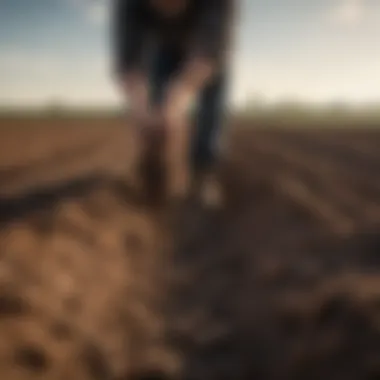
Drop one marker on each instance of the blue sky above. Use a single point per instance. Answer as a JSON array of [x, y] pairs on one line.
[[316, 50]]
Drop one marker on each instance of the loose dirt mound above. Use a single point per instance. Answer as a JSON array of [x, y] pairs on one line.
[[281, 284], [81, 284]]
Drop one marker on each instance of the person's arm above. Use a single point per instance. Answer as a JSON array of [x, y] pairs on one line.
[[207, 53], [128, 41]]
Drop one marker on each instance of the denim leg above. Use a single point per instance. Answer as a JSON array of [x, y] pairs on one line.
[[209, 120]]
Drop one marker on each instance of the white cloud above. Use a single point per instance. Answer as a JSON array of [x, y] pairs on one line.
[[347, 12], [98, 13], [95, 11]]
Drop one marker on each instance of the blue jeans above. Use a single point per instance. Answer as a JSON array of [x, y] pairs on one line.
[[209, 115]]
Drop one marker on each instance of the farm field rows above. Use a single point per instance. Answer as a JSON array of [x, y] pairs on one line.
[[282, 283]]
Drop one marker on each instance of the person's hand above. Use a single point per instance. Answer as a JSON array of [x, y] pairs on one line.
[[147, 120], [142, 117], [183, 90], [176, 105], [134, 87]]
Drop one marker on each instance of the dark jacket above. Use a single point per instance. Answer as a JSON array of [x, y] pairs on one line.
[[202, 29]]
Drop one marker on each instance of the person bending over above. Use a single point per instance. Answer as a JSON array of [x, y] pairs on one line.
[[171, 55]]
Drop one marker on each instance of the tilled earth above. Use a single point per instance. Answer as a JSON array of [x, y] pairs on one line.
[[282, 283]]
